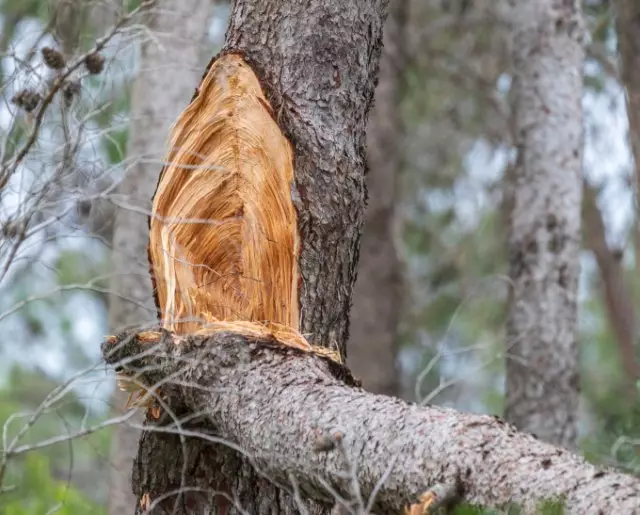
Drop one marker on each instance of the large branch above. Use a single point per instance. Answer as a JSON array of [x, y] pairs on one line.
[[276, 404]]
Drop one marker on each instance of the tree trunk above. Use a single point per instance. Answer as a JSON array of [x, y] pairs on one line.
[[317, 65], [165, 81], [616, 293], [542, 387], [303, 425], [628, 25], [377, 295]]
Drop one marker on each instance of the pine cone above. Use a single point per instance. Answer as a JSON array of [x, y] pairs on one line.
[[94, 63], [52, 58], [70, 90], [10, 229], [84, 208], [27, 99]]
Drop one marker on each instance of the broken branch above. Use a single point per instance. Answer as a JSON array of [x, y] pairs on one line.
[[273, 402]]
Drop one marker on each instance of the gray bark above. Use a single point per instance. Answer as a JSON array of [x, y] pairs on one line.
[[276, 404], [317, 63], [542, 387], [377, 297], [165, 82]]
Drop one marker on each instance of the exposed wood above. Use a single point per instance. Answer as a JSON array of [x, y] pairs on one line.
[[299, 419], [223, 241]]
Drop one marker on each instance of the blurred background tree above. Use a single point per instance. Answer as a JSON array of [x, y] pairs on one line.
[[446, 148]]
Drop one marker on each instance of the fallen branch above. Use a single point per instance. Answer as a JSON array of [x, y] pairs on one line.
[[283, 406]]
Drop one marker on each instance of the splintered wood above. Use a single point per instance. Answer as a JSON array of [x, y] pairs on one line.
[[223, 236]]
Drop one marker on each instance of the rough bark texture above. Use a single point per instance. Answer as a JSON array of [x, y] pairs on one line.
[[377, 295], [276, 404], [544, 238], [166, 81], [628, 25], [318, 63]]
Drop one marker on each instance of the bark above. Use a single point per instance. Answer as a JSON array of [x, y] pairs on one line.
[[616, 294], [317, 64], [542, 386], [628, 27], [377, 295], [387, 446], [166, 80]]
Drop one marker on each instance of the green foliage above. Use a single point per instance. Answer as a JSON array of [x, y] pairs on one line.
[[115, 145], [552, 507], [63, 474], [615, 425], [36, 491], [75, 267], [17, 9], [548, 507], [14, 138]]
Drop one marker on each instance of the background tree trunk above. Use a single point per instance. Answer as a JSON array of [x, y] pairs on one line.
[[317, 64], [616, 294], [166, 80], [377, 298], [628, 24], [544, 236]]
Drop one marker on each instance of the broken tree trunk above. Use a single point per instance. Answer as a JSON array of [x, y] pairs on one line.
[[257, 216], [302, 423]]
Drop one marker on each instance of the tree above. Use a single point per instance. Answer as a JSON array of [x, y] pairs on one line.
[[157, 97], [544, 235], [317, 66], [628, 31], [377, 299], [616, 293]]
